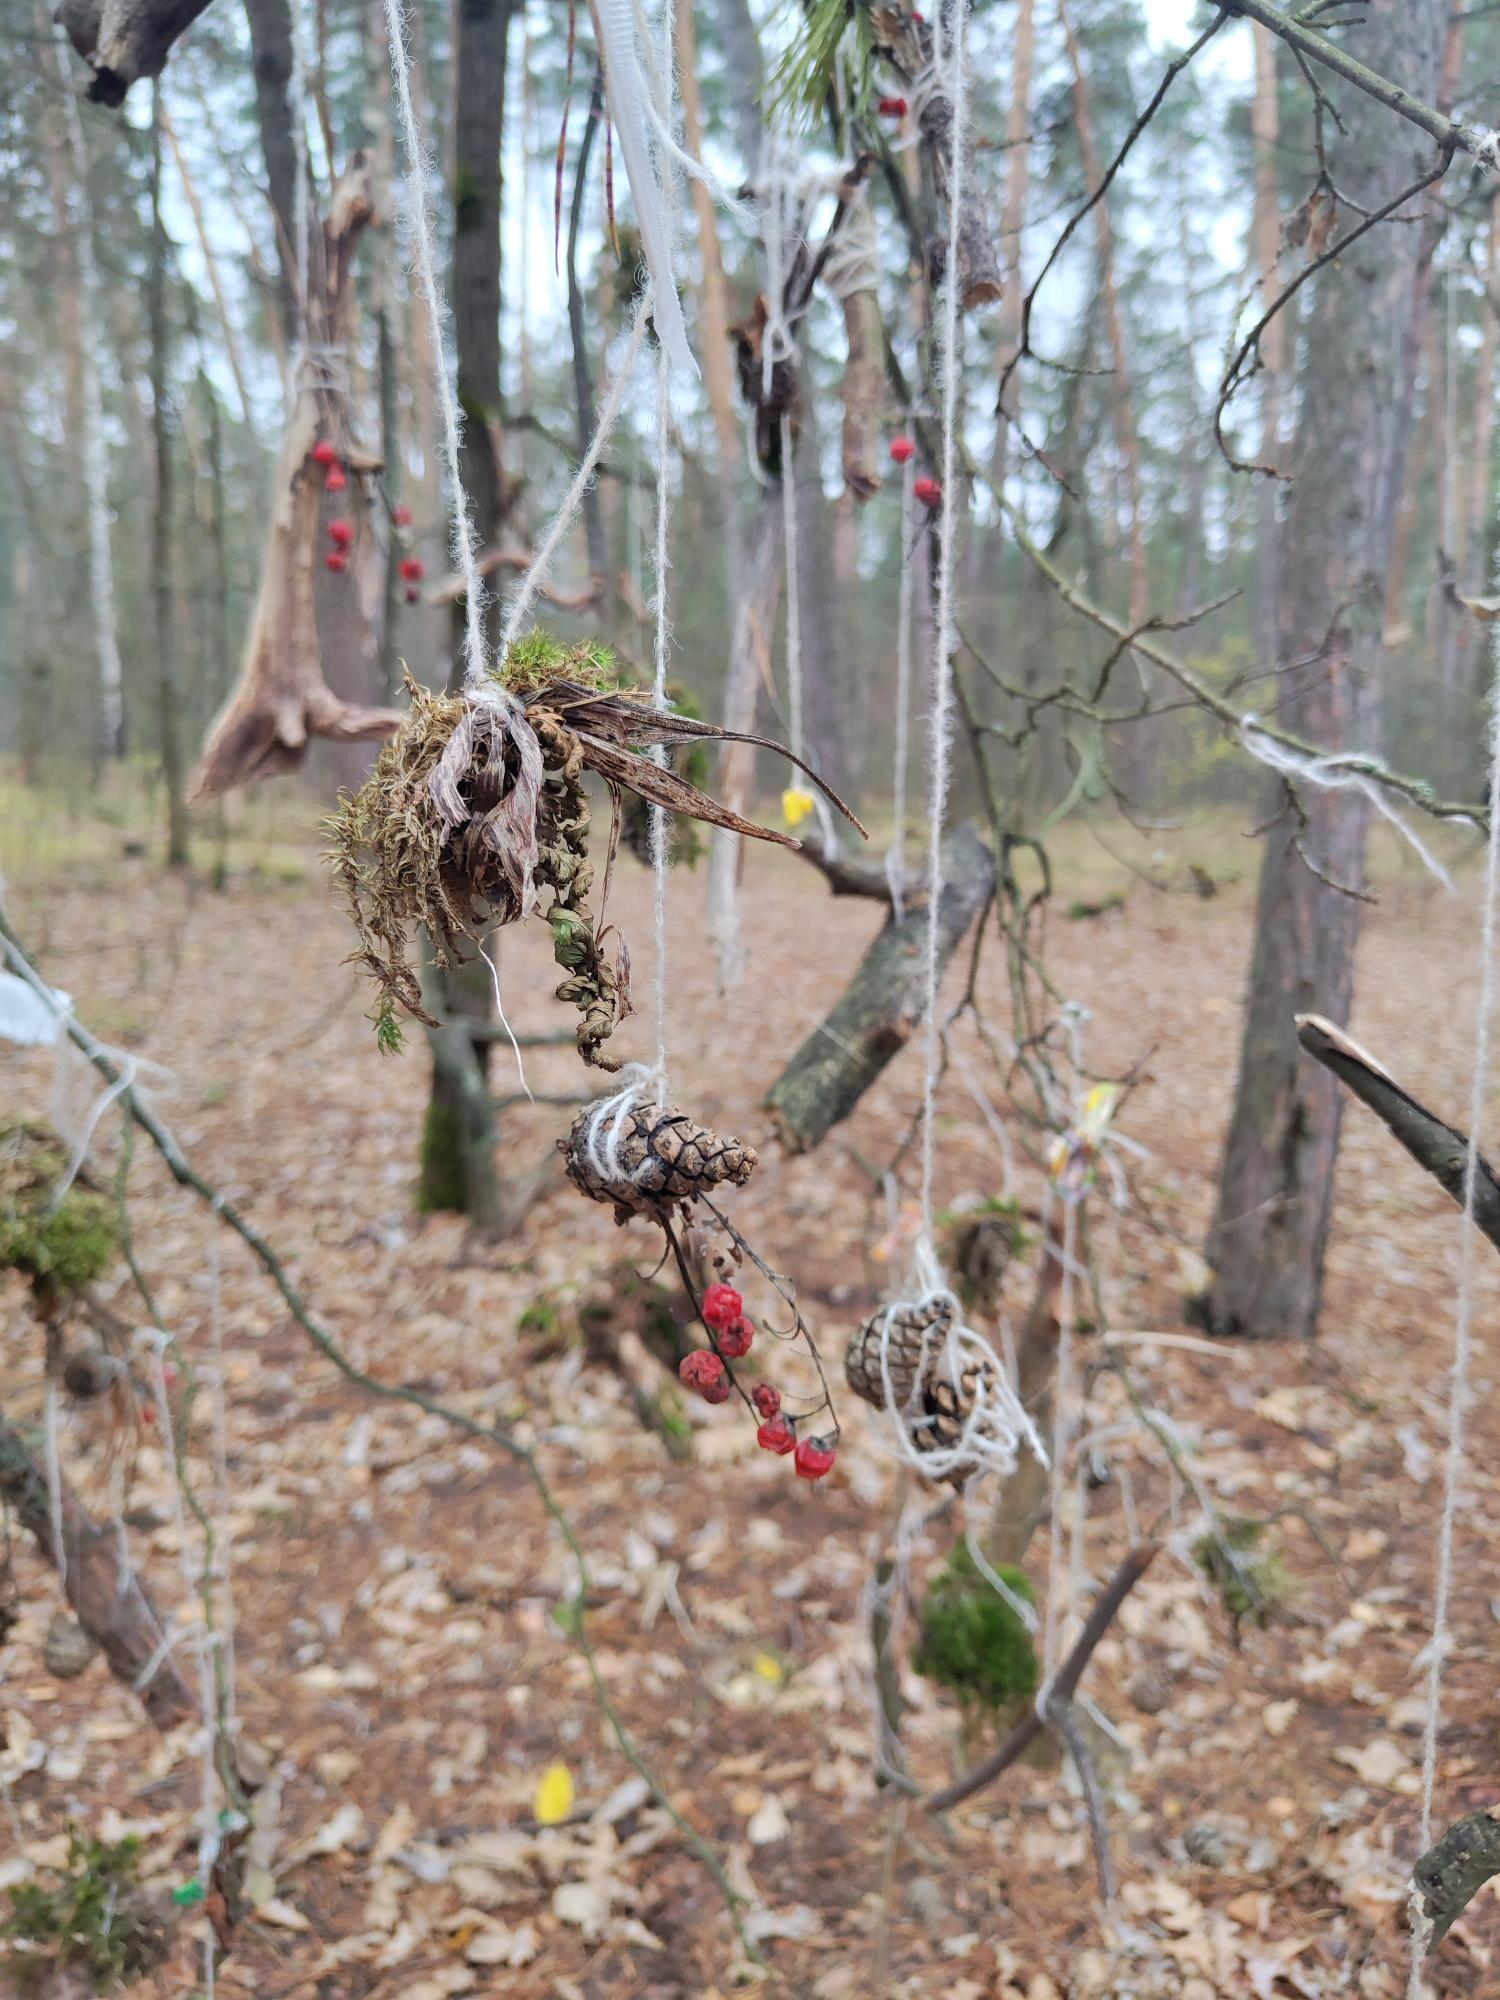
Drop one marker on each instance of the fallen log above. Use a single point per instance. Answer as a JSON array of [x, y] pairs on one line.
[[113, 1608], [883, 1004]]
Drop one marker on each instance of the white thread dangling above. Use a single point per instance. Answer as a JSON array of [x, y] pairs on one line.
[[997, 1424], [419, 213], [1458, 1389], [895, 860]]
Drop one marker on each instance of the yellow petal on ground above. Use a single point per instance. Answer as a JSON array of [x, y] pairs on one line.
[[769, 1668], [554, 1795], [796, 805]]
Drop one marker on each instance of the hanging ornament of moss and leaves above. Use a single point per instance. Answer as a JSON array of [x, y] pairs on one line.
[[462, 826]]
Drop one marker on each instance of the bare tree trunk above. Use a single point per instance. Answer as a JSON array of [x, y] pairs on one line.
[[1270, 1229], [271, 64], [163, 564], [459, 1138], [713, 308], [1265, 128], [1126, 437]]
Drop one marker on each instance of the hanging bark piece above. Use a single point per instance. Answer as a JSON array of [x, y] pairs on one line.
[[665, 1159], [281, 700], [476, 812], [1448, 1877], [905, 40], [124, 40]]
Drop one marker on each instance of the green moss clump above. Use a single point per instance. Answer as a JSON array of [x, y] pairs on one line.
[[1240, 1559], [63, 1247], [95, 1921], [537, 660], [972, 1641]]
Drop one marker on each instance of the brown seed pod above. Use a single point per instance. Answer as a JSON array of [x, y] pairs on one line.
[[934, 1407], [664, 1156]]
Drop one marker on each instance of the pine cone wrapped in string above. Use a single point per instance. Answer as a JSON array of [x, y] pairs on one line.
[[664, 1158], [475, 815], [935, 1407]]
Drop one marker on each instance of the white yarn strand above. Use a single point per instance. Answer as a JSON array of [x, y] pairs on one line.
[[941, 722], [419, 216], [1458, 1391], [895, 860], [793, 586], [658, 814]]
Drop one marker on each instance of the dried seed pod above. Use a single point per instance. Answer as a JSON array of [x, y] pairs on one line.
[[934, 1406], [662, 1155]]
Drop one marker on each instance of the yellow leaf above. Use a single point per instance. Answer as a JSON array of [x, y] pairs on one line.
[[554, 1796], [769, 1668], [796, 805]]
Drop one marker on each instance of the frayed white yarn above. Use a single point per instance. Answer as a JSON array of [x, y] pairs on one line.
[[419, 215], [1339, 771], [895, 860], [853, 262], [610, 1123], [1458, 1390], [996, 1425]]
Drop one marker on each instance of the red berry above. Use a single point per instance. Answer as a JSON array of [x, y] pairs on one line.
[[717, 1392], [413, 596], [341, 533], [893, 107], [902, 449], [334, 481], [401, 516], [814, 1458], [337, 561], [324, 453], [737, 1338], [703, 1371], [777, 1435], [413, 569], [767, 1399], [928, 490], [721, 1304]]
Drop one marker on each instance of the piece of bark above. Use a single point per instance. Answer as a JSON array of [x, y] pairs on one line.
[[864, 392], [114, 1610], [1438, 1147], [1448, 1877], [883, 1004], [281, 700], [124, 40]]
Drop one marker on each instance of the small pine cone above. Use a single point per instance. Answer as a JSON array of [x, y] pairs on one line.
[[664, 1158], [936, 1408]]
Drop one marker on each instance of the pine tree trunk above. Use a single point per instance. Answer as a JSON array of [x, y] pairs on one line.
[[457, 1169], [163, 567], [1276, 1186]]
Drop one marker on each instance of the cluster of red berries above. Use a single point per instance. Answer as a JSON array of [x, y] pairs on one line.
[[413, 569], [926, 489], [733, 1333], [893, 107]]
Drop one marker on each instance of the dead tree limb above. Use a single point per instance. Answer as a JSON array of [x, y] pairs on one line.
[[1437, 1147], [281, 700], [883, 1004], [112, 1607], [1455, 1868], [1059, 1702], [124, 40]]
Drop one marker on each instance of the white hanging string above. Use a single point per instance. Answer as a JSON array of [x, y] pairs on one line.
[[793, 585], [95, 464], [1458, 1389], [895, 860], [419, 217]]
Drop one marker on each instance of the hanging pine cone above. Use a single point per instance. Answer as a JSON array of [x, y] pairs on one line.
[[934, 1407], [664, 1158]]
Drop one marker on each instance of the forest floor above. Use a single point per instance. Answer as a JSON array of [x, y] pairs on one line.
[[395, 1587]]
